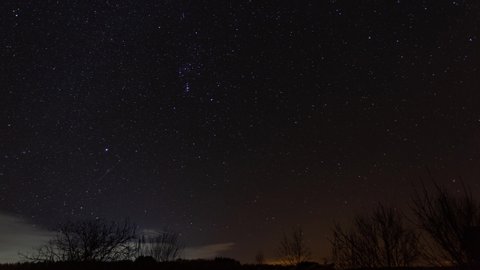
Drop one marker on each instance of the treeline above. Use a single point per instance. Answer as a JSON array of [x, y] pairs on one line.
[[443, 229]]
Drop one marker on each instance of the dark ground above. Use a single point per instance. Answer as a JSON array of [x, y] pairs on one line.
[[217, 264]]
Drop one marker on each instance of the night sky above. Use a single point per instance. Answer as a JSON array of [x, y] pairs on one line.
[[232, 121]]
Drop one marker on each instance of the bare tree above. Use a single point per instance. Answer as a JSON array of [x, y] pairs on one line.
[[165, 246], [293, 248], [378, 240], [90, 240], [260, 257], [447, 219]]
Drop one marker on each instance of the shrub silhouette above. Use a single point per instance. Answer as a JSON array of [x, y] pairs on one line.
[[293, 248], [260, 258], [145, 260], [377, 240], [227, 261], [163, 247], [447, 219], [88, 240]]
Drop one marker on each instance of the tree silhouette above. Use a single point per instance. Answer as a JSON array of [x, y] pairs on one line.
[[293, 248], [89, 240], [260, 257], [448, 220], [163, 247], [377, 240]]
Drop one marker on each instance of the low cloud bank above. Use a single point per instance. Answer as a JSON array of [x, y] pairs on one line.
[[207, 251], [18, 236]]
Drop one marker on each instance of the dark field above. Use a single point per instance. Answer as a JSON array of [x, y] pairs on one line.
[[184, 265]]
